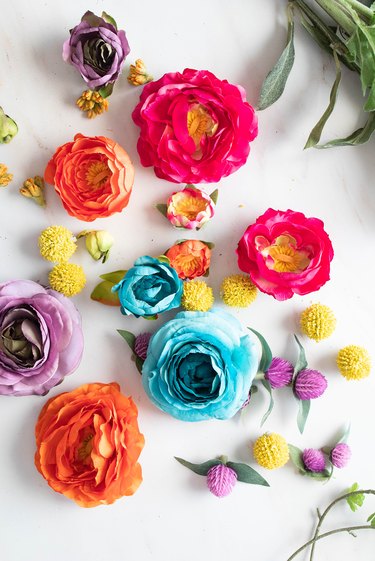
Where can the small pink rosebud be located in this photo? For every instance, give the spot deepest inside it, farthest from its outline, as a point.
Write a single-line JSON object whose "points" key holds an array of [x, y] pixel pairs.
{"points": [[221, 479], [313, 460], [141, 345], [280, 373], [309, 384], [340, 455]]}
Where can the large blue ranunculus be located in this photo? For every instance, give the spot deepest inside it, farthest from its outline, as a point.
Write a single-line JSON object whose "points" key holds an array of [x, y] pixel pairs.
{"points": [[150, 287], [200, 365]]}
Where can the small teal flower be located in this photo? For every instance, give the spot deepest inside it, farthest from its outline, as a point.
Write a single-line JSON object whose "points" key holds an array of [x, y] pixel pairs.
{"points": [[149, 288], [200, 365]]}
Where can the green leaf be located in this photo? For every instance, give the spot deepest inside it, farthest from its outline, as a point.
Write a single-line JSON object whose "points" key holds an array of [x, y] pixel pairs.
{"points": [[301, 363], [247, 474], [109, 19], [303, 412], [371, 519], [162, 208], [345, 434], [266, 358], [139, 363], [128, 336], [200, 469], [115, 277], [274, 84], [296, 457], [214, 195], [316, 132], [154, 316], [355, 501], [360, 136], [103, 293], [361, 45], [107, 90], [211, 245], [320, 476], [268, 387], [163, 259]]}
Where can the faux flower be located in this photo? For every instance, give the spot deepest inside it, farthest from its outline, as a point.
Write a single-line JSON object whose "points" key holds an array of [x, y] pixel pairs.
{"points": [[354, 362], [5, 177], [97, 49], [98, 243], [286, 253], [279, 373], [271, 450], [8, 128], [340, 455], [138, 75], [221, 480], [318, 322], [149, 288], [33, 188], [93, 176], [92, 103], [141, 344], [190, 208], [190, 258], [309, 384], [238, 291], [67, 278], [313, 460], [195, 128], [200, 365], [41, 339], [57, 244], [88, 443], [197, 296]]}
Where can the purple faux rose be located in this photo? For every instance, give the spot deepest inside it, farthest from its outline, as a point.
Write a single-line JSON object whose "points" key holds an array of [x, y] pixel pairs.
{"points": [[97, 49], [41, 339]]}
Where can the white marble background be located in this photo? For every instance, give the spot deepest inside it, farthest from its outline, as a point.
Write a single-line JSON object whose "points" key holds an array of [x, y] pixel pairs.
{"points": [[172, 516]]}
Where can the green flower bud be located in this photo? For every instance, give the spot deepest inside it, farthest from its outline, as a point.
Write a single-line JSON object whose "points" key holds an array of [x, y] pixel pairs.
{"points": [[8, 128], [98, 243]]}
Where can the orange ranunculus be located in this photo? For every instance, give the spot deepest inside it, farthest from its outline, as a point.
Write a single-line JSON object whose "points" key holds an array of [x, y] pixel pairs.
{"points": [[190, 258], [93, 176], [88, 444]]}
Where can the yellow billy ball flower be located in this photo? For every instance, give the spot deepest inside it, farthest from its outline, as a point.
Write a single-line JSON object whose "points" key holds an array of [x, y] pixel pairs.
{"points": [[238, 290], [318, 322], [271, 451], [354, 362], [67, 278], [197, 296], [57, 244]]}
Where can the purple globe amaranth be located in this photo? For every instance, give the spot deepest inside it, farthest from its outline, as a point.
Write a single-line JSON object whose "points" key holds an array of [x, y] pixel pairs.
{"points": [[141, 344], [97, 49], [221, 479], [41, 338], [280, 373], [309, 384], [340, 455], [313, 460]]}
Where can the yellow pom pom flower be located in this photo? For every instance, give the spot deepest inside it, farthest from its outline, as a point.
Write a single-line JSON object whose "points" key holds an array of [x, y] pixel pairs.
{"points": [[197, 296], [238, 290], [67, 278], [354, 362], [57, 244], [318, 322], [271, 451]]}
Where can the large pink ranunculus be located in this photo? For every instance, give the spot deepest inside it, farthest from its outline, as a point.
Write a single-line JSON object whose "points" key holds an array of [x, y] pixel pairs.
{"points": [[286, 253], [195, 128]]}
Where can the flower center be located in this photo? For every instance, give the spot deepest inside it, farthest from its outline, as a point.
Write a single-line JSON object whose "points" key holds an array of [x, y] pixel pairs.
{"points": [[84, 451], [200, 123], [190, 206], [97, 174], [283, 256]]}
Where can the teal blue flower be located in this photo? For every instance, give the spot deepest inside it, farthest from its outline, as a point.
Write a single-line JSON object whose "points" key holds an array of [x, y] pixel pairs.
{"points": [[149, 288], [200, 365]]}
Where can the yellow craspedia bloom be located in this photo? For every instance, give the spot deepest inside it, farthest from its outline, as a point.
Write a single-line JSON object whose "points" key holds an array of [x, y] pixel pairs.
{"points": [[57, 244], [318, 322], [67, 278], [197, 296], [238, 290], [354, 362], [271, 451]]}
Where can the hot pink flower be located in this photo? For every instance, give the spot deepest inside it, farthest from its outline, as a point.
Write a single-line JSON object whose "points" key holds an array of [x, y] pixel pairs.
{"points": [[190, 208], [194, 127], [286, 253]]}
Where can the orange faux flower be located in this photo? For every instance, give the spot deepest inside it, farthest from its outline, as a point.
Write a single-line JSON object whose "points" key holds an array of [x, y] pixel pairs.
{"points": [[190, 258], [93, 176], [88, 444]]}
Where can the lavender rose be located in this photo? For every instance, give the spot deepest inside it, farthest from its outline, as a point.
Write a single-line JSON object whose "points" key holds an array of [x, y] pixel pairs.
{"points": [[97, 49], [41, 339]]}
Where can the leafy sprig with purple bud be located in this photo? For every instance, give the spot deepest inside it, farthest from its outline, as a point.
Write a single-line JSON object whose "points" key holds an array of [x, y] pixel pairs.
{"points": [[138, 344]]}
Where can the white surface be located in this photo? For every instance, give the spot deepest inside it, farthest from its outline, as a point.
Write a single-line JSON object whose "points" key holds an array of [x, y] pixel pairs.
{"points": [[172, 516]]}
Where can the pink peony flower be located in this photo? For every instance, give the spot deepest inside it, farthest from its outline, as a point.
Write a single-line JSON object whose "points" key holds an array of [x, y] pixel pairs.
{"points": [[313, 460], [190, 208], [309, 384], [340, 455], [195, 128], [221, 479], [286, 253]]}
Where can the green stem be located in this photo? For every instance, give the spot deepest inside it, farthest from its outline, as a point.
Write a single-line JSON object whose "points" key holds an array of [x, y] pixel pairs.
{"points": [[362, 10], [338, 11], [337, 531]]}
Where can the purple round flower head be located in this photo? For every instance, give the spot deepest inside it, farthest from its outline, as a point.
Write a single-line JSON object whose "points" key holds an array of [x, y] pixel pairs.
{"points": [[309, 384], [280, 373], [313, 460], [141, 345], [221, 479], [340, 455]]}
